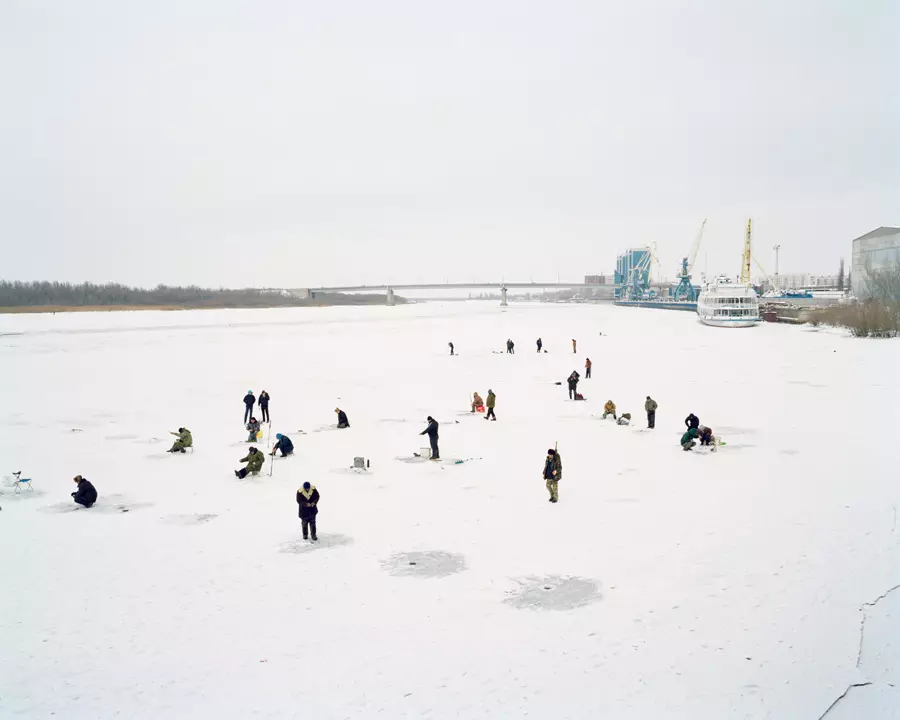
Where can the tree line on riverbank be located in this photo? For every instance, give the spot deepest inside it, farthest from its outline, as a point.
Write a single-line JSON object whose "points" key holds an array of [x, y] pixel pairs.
{"points": [[17, 294]]}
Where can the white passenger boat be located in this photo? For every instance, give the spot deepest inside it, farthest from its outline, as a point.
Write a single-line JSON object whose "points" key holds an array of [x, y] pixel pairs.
{"points": [[724, 303]]}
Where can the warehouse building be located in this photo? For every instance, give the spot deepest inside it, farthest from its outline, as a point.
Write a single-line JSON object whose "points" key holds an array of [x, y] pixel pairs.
{"points": [[875, 250]]}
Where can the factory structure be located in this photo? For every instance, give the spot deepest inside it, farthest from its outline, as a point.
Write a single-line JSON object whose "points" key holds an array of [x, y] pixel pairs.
{"points": [[876, 250]]}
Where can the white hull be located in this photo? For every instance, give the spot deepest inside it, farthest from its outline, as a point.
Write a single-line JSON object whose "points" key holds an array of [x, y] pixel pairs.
{"points": [[728, 322], [725, 304]]}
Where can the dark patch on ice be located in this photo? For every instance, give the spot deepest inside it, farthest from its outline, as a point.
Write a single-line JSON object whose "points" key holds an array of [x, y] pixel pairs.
{"points": [[121, 436], [394, 420], [789, 451], [727, 430], [353, 471], [298, 547], [553, 592], [190, 519], [428, 564], [109, 507], [9, 493]]}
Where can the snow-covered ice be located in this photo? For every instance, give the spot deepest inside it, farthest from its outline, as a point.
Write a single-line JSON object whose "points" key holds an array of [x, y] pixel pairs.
{"points": [[751, 583]]}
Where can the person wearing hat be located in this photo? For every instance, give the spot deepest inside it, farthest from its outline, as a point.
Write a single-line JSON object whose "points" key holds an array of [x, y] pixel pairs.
{"points": [[254, 460], [432, 432], [249, 402], [86, 494], [253, 428], [650, 408], [184, 440], [477, 402], [308, 502], [553, 473], [264, 406], [343, 422], [284, 444], [490, 403]]}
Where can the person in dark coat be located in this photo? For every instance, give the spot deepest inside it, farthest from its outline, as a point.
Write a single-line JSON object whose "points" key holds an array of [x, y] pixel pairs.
{"points": [[510, 347], [249, 402], [540, 344], [264, 406], [692, 421], [432, 432], [451, 347], [343, 422], [553, 473], [284, 444], [308, 502], [573, 384], [86, 494], [650, 406]]}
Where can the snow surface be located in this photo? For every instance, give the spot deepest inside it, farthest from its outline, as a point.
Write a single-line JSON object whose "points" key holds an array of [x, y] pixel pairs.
{"points": [[664, 584]]}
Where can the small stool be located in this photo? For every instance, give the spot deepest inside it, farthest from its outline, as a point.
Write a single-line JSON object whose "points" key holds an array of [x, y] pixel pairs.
{"points": [[22, 483]]}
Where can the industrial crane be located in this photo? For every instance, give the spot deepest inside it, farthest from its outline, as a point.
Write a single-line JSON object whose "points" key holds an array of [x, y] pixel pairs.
{"points": [[684, 290]]}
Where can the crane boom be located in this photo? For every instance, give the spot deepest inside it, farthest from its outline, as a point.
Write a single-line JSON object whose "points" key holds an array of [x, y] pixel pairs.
{"points": [[692, 258]]}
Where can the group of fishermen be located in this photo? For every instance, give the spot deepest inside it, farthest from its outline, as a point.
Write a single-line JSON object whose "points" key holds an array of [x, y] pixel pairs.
{"points": [[478, 405], [696, 432]]}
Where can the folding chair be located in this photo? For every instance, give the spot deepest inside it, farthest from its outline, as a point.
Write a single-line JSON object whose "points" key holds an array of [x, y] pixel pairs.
{"points": [[21, 482]]}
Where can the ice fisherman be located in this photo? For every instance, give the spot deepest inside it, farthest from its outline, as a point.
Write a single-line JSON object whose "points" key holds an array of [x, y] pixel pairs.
{"points": [[184, 440], [451, 347], [574, 346], [609, 409], [707, 437], [587, 368], [432, 432], [86, 494], [491, 402], [692, 421], [624, 419], [553, 473], [510, 347], [477, 402], [264, 406], [249, 402], [687, 440], [540, 344], [343, 422], [308, 502], [284, 444], [572, 380], [253, 428], [650, 408], [254, 460]]}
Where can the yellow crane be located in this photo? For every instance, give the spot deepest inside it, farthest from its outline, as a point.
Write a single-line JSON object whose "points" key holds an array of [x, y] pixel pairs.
{"points": [[747, 258]]}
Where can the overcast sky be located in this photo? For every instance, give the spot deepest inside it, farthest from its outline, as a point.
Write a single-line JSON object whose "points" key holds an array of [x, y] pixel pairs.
{"points": [[302, 142]]}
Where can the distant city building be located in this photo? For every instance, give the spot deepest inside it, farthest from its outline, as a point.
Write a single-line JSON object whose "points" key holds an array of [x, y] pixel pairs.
{"points": [[803, 280], [595, 279], [875, 250]]}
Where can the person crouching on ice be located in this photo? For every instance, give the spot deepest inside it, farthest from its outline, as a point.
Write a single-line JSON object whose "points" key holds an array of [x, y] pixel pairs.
{"points": [[609, 409], [343, 422], [184, 440], [253, 428], [687, 440], [284, 444], [254, 460], [477, 402], [86, 494], [707, 437], [308, 502]]}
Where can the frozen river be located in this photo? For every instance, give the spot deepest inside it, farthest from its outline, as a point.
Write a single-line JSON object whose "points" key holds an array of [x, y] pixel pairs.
{"points": [[751, 583]]}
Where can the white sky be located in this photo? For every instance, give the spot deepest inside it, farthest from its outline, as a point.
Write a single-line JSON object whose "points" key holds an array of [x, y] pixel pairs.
{"points": [[297, 143]]}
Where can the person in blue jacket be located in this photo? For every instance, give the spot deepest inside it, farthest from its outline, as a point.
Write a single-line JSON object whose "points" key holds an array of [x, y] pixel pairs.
{"points": [[284, 444]]}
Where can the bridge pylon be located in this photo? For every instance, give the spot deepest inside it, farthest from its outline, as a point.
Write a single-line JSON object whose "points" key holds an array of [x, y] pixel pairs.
{"points": [[503, 302], [390, 297]]}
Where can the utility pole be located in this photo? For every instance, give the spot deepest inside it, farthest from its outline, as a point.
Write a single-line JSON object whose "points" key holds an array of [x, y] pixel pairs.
{"points": [[776, 248]]}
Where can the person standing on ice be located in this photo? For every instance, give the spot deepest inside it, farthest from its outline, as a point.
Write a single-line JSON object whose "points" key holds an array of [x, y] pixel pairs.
{"points": [[284, 444], [451, 347], [587, 368], [510, 347], [574, 346], [650, 407], [308, 502], [254, 460], [491, 402], [573, 384], [540, 344], [432, 432], [86, 494], [692, 421], [264, 406], [249, 402], [553, 473], [343, 422], [184, 440]]}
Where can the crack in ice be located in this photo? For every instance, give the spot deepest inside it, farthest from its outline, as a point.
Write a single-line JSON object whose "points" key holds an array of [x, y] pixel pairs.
{"points": [[842, 696]]}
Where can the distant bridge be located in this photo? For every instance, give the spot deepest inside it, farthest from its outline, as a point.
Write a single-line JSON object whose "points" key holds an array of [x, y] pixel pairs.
{"points": [[389, 290]]}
